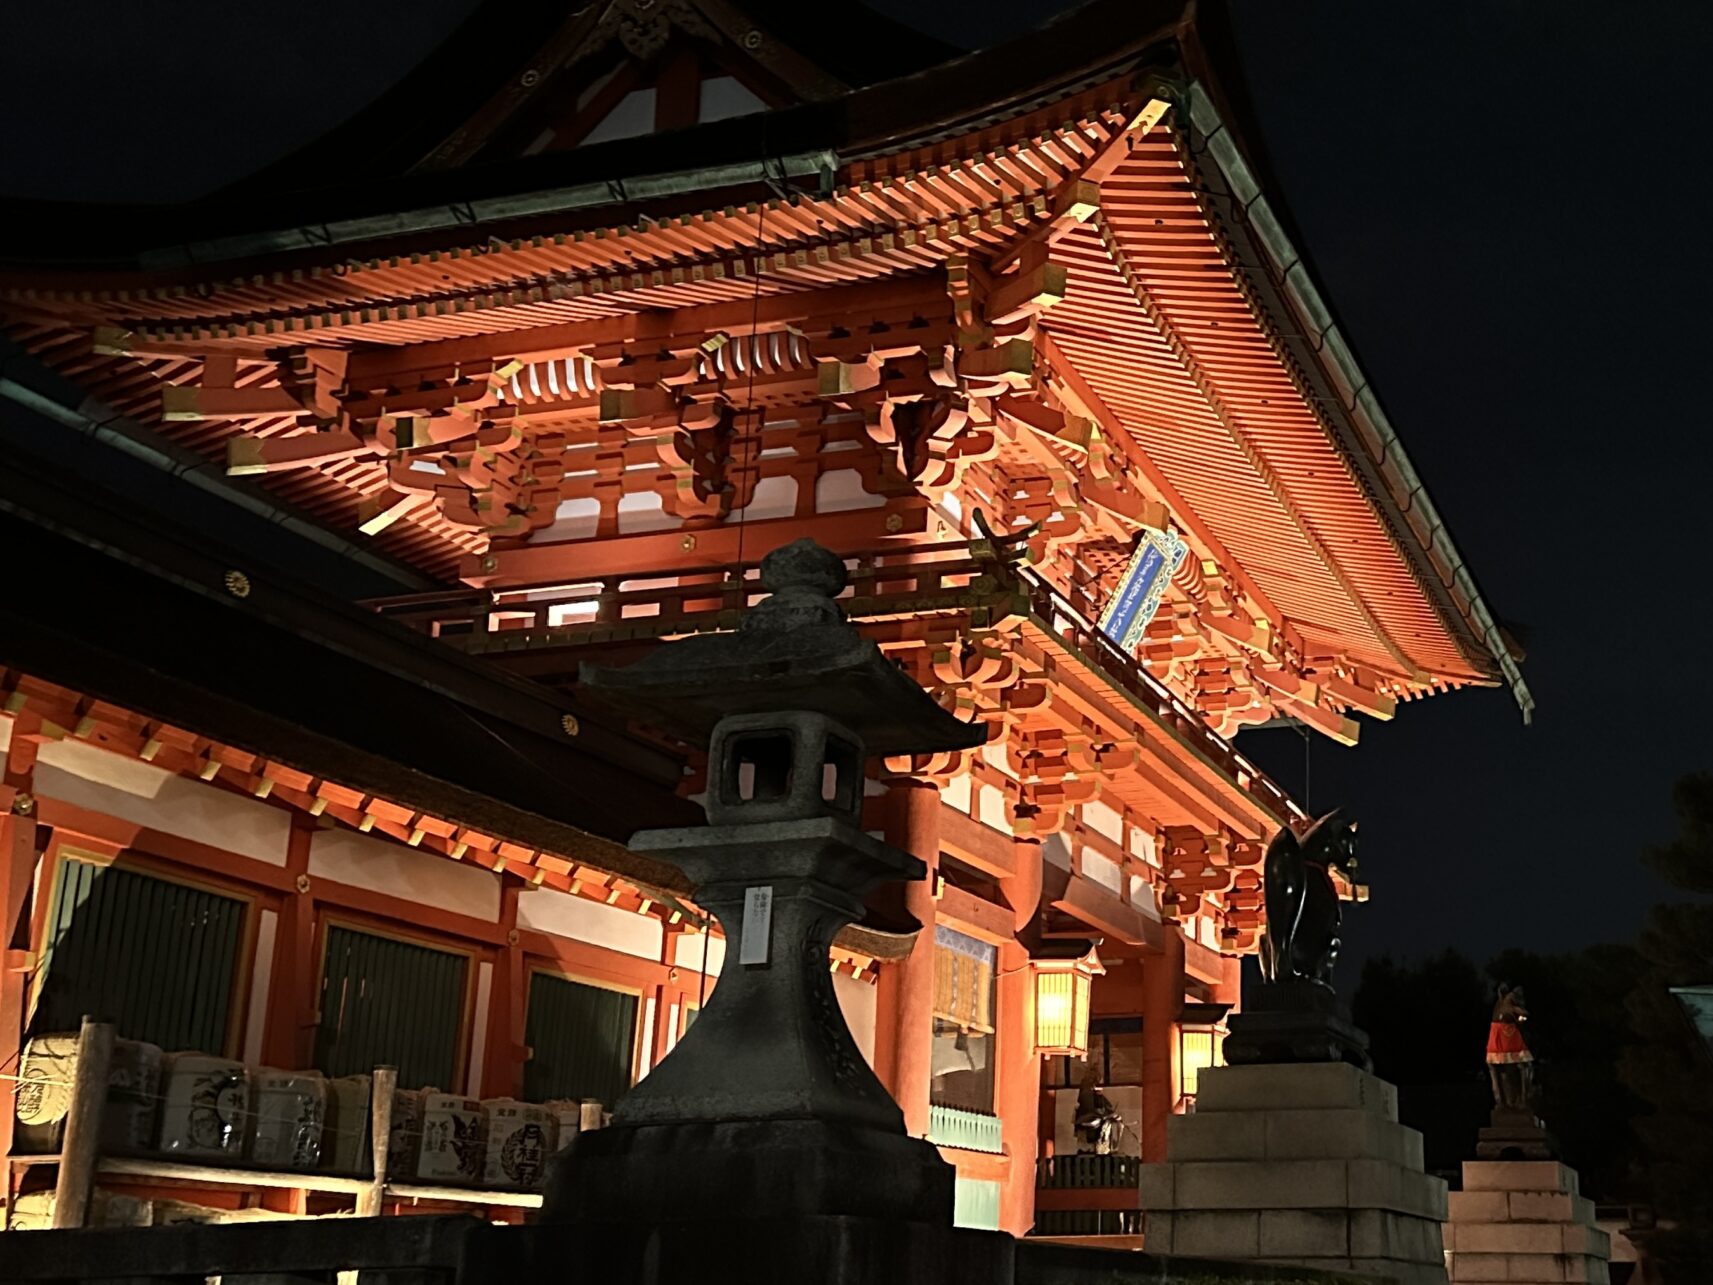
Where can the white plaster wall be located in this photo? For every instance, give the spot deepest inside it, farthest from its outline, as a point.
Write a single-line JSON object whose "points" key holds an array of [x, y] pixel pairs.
{"points": [[398, 871], [1142, 845], [774, 497], [148, 796], [643, 511], [1103, 820], [992, 809], [5, 732], [687, 953], [1142, 897], [1102, 871], [957, 793], [575, 519], [479, 1029], [857, 1002], [559, 913], [841, 489]]}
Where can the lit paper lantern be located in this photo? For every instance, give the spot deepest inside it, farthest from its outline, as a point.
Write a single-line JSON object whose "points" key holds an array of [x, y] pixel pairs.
{"points": [[1201, 1045], [1062, 989]]}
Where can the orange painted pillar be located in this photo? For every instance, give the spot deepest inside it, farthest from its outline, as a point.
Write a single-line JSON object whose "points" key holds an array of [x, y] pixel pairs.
{"points": [[914, 825], [288, 1037], [1020, 1104], [17, 867], [1230, 987], [1017, 1090], [504, 1048], [1162, 1005]]}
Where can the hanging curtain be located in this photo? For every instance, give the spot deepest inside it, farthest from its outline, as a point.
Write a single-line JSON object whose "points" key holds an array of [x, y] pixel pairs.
{"points": [[963, 981]]}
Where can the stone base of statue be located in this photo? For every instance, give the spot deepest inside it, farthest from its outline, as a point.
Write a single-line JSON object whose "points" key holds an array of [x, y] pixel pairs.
{"points": [[1524, 1222], [822, 1250], [1301, 1163], [1516, 1133], [734, 1170], [1294, 1021]]}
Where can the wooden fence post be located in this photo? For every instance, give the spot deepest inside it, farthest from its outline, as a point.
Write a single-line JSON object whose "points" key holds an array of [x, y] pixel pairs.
{"points": [[80, 1147], [381, 1088]]}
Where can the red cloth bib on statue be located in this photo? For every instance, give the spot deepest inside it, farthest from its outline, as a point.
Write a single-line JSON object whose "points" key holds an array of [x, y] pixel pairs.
{"points": [[1505, 1043]]}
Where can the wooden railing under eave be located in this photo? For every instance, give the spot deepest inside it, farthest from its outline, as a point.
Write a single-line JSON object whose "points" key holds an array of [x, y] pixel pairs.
{"points": [[980, 580]]}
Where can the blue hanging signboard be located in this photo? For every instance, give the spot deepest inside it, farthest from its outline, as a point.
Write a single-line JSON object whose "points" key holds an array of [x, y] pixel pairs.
{"points": [[1137, 597]]}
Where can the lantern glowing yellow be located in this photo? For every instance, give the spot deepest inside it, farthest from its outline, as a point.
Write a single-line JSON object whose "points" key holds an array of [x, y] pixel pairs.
{"points": [[1062, 990], [1201, 1045]]}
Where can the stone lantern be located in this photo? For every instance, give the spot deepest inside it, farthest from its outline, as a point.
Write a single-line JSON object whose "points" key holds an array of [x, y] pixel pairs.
{"points": [[766, 1108]]}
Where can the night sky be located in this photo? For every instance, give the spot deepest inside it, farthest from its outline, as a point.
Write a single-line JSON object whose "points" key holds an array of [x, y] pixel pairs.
{"points": [[1505, 202]]}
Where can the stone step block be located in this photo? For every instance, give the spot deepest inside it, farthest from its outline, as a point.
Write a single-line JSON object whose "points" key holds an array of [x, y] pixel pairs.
{"points": [[1377, 1184], [1340, 1132], [1379, 1268], [1477, 1269], [1302, 1085], [1205, 1233], [1297, 1233], [1262, 1184], [1517, 1238], [1326, 1183], [1526, 1269], [1383, 1233], [1234, 1135], [1478, 1206], [1519, 1175], [1351, 1134], [1519, 1207]]}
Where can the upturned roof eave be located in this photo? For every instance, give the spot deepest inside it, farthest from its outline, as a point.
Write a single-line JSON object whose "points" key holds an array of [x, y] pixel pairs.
{"points": [[1348, 403]]}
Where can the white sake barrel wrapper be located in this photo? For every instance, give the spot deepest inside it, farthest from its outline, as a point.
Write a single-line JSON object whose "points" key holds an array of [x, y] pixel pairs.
{"points": [[451, 1140], [205, 1107], [291, 1107], [133, 1098], [519, 1140], [45, 1075], [345, 1134], [404, 1140], [35, 1211], [567, 1116]]}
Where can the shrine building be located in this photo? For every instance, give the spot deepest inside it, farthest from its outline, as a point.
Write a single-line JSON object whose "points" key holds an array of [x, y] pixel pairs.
{"points": [[326, 484]]}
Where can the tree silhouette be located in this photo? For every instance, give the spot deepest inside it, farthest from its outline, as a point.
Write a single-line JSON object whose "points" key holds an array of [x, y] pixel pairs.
{"points": [[1578, 1030], [1668, 1066], [1428, 1025]]}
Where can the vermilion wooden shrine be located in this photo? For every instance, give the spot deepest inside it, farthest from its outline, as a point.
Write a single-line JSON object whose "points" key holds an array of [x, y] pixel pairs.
{"points": [[581, 336]]}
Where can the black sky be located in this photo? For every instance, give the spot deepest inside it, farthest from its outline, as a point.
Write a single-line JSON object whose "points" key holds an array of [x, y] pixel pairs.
{"points": [[1506, 203]]}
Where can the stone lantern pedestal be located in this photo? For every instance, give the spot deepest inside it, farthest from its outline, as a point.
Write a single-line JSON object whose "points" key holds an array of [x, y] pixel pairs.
{"points": [[767, 1104]]}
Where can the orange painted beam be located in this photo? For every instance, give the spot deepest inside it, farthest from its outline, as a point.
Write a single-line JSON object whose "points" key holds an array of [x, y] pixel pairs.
{"points": [[1100, 910], [981, 846], [663, 553], [1056, 1198], [378, 367], [191, 402]]}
